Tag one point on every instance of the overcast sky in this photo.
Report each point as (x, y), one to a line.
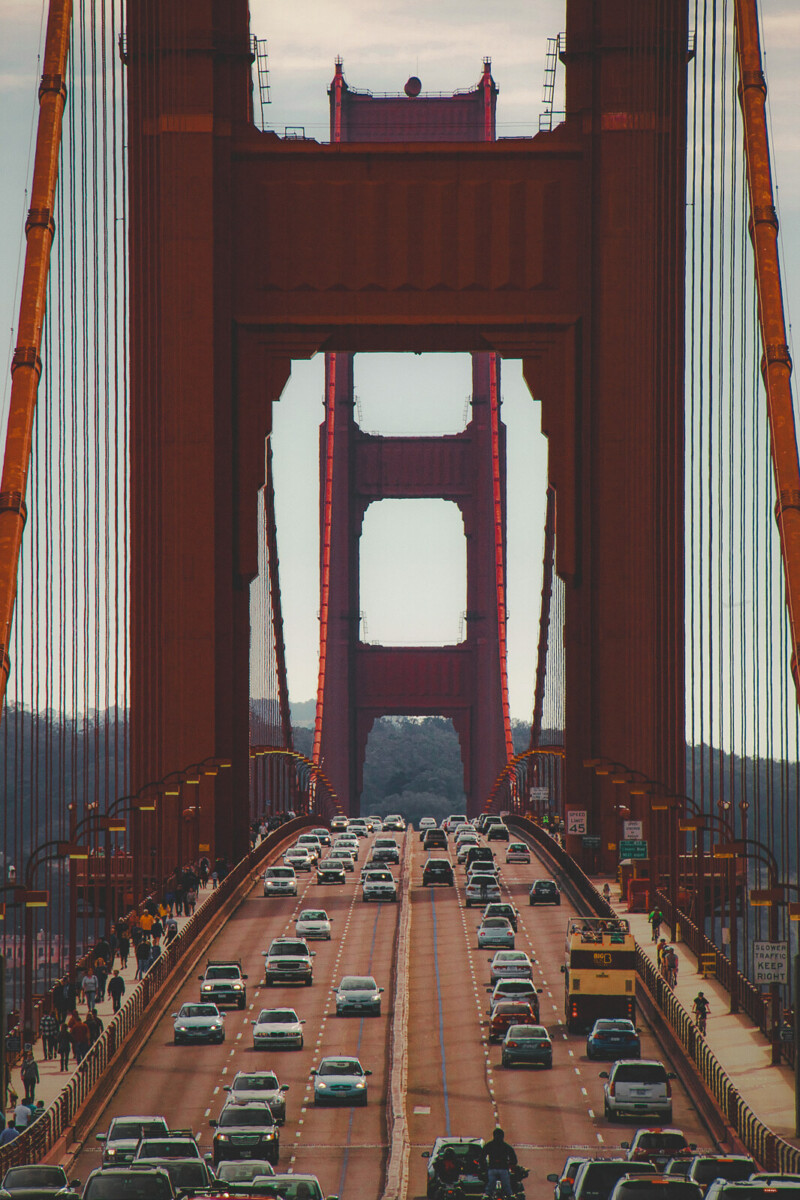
(382, 43)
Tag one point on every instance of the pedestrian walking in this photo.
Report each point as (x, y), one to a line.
(190, 902)
(65, 997)
(10, 1131)
(157, 931)
(64, 1046)
(214, 880)
(101, 971)
(142, 957)
(30, 1077)
(80, 1040)
(94, 1025)
(116, 990)
(124, 949)
(22, 1115)
(146, 921)
(171, 930)
(155, 955)
(48, 1028)
(90, 987)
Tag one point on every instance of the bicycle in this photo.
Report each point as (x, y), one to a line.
(702, 1017)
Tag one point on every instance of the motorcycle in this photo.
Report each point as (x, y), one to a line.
(518, 1174)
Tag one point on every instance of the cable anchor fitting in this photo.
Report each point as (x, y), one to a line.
(14, 502)
(26, 356)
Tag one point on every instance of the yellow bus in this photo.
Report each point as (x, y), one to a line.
(599, 972)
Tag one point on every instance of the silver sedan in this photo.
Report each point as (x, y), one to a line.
(495, 931)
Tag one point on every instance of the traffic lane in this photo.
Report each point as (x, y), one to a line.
(185, 1084)
(345, 1146)
(544, 932)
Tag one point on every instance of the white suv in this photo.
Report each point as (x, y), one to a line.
(638, 1087)
(378, 884)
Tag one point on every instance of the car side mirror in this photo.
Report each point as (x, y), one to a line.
(692, 1145)
(539, 991)
(625, 1145)
(603, 1075)
(368, 1072)
(74, 1183)
(101, 1137)
(208, 1157)
(313, 1071)
(380, 989)
(201, 977)
(213, 1124)
(552, 1178)
(227, 1087)
(563, 969)
(425, 1154)
(303, 1021)
(245, 977)
(264, 953)
(284, 1087)
(253, 1022)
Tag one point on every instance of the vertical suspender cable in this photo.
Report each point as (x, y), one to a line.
(26, 363)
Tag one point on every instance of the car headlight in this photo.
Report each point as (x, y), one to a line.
(221, 1137)
(362, 1083)
(270, 1135)
(110, 1151)
(237, 987)
(322, 1086)
(182, 1028)
(206, 987)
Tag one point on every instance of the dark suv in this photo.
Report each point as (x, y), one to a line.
(435, 839)
(246, 1131)
(544, 891)
(478, 854)
(437, 870)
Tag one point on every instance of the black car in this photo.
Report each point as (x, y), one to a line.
(437, 870)
(501, 909)
(497, 832)
(478, 854)
(434, 839)
(544, 891)
(38, 1183)
(126, 1183)
(330, 870)
(246, 1131)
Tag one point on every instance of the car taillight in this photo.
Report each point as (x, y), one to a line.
(575, 1008)
(669, 1088)
(611, 1089)
(512, 1043)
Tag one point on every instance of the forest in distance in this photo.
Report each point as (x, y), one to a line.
(413, 764)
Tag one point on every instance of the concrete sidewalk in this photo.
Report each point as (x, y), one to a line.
(740, 1047)
(52, 1078)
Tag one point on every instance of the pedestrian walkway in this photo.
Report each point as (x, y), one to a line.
(51, 1078)
(739, 1046)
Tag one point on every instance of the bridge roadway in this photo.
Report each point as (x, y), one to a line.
(455, 1083)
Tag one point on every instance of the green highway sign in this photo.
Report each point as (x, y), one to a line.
(631, 849)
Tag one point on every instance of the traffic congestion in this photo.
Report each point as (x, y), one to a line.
(510, 1026)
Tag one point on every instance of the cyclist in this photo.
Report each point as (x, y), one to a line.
(661, 950)
(671, 966)
(499, 1158)
(655, 918)
(701, 1008)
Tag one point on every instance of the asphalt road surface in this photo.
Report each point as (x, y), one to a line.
(455, 1082)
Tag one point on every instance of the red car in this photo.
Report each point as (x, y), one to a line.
(509, 1012)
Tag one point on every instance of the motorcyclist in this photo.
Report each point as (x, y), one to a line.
(446, 1167)
(499, 1158)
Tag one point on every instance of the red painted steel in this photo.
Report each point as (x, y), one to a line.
(565, 250)
(776, 365)
(26, 364)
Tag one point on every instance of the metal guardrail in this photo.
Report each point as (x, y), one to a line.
(35, 1142)
(773, 1152)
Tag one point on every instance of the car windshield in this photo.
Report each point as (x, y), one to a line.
(378, 877)
(358, 983)
(511, 956)
(233, 1171)
(168, 1148)
(340, 1066)
(649, 1189)
(222, 972)
(255, 1083)
(133, 1130)
(237, 1114)
(620, 1026)
(481, 878)
(516, 987)
(279, 948)
(33, 1177)
(187, 1174)
(297, 1187)
(713, 1168)
(279, 873)
(385, 843)
(531, 1033)
(313, 914)
(188, 1010)
(661, 1141)
(496, 923)
(463, 1150)
(135, 1185)
(640, 1073)
(277, 1016)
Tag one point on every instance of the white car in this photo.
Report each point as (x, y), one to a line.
(495, 931)
(277, 1029)
(280, 881)
(484, 867)
(518, 852)
(510, 964)
(426, 823)
(339, 822)
(359, 827)
(259, 1085)
(378, 884)
(463, 847)
(297, 859)
(313, 923)
(481, 888)
(454, 820)
(345, 856)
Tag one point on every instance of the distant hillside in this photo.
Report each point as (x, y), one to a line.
(303, 713)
